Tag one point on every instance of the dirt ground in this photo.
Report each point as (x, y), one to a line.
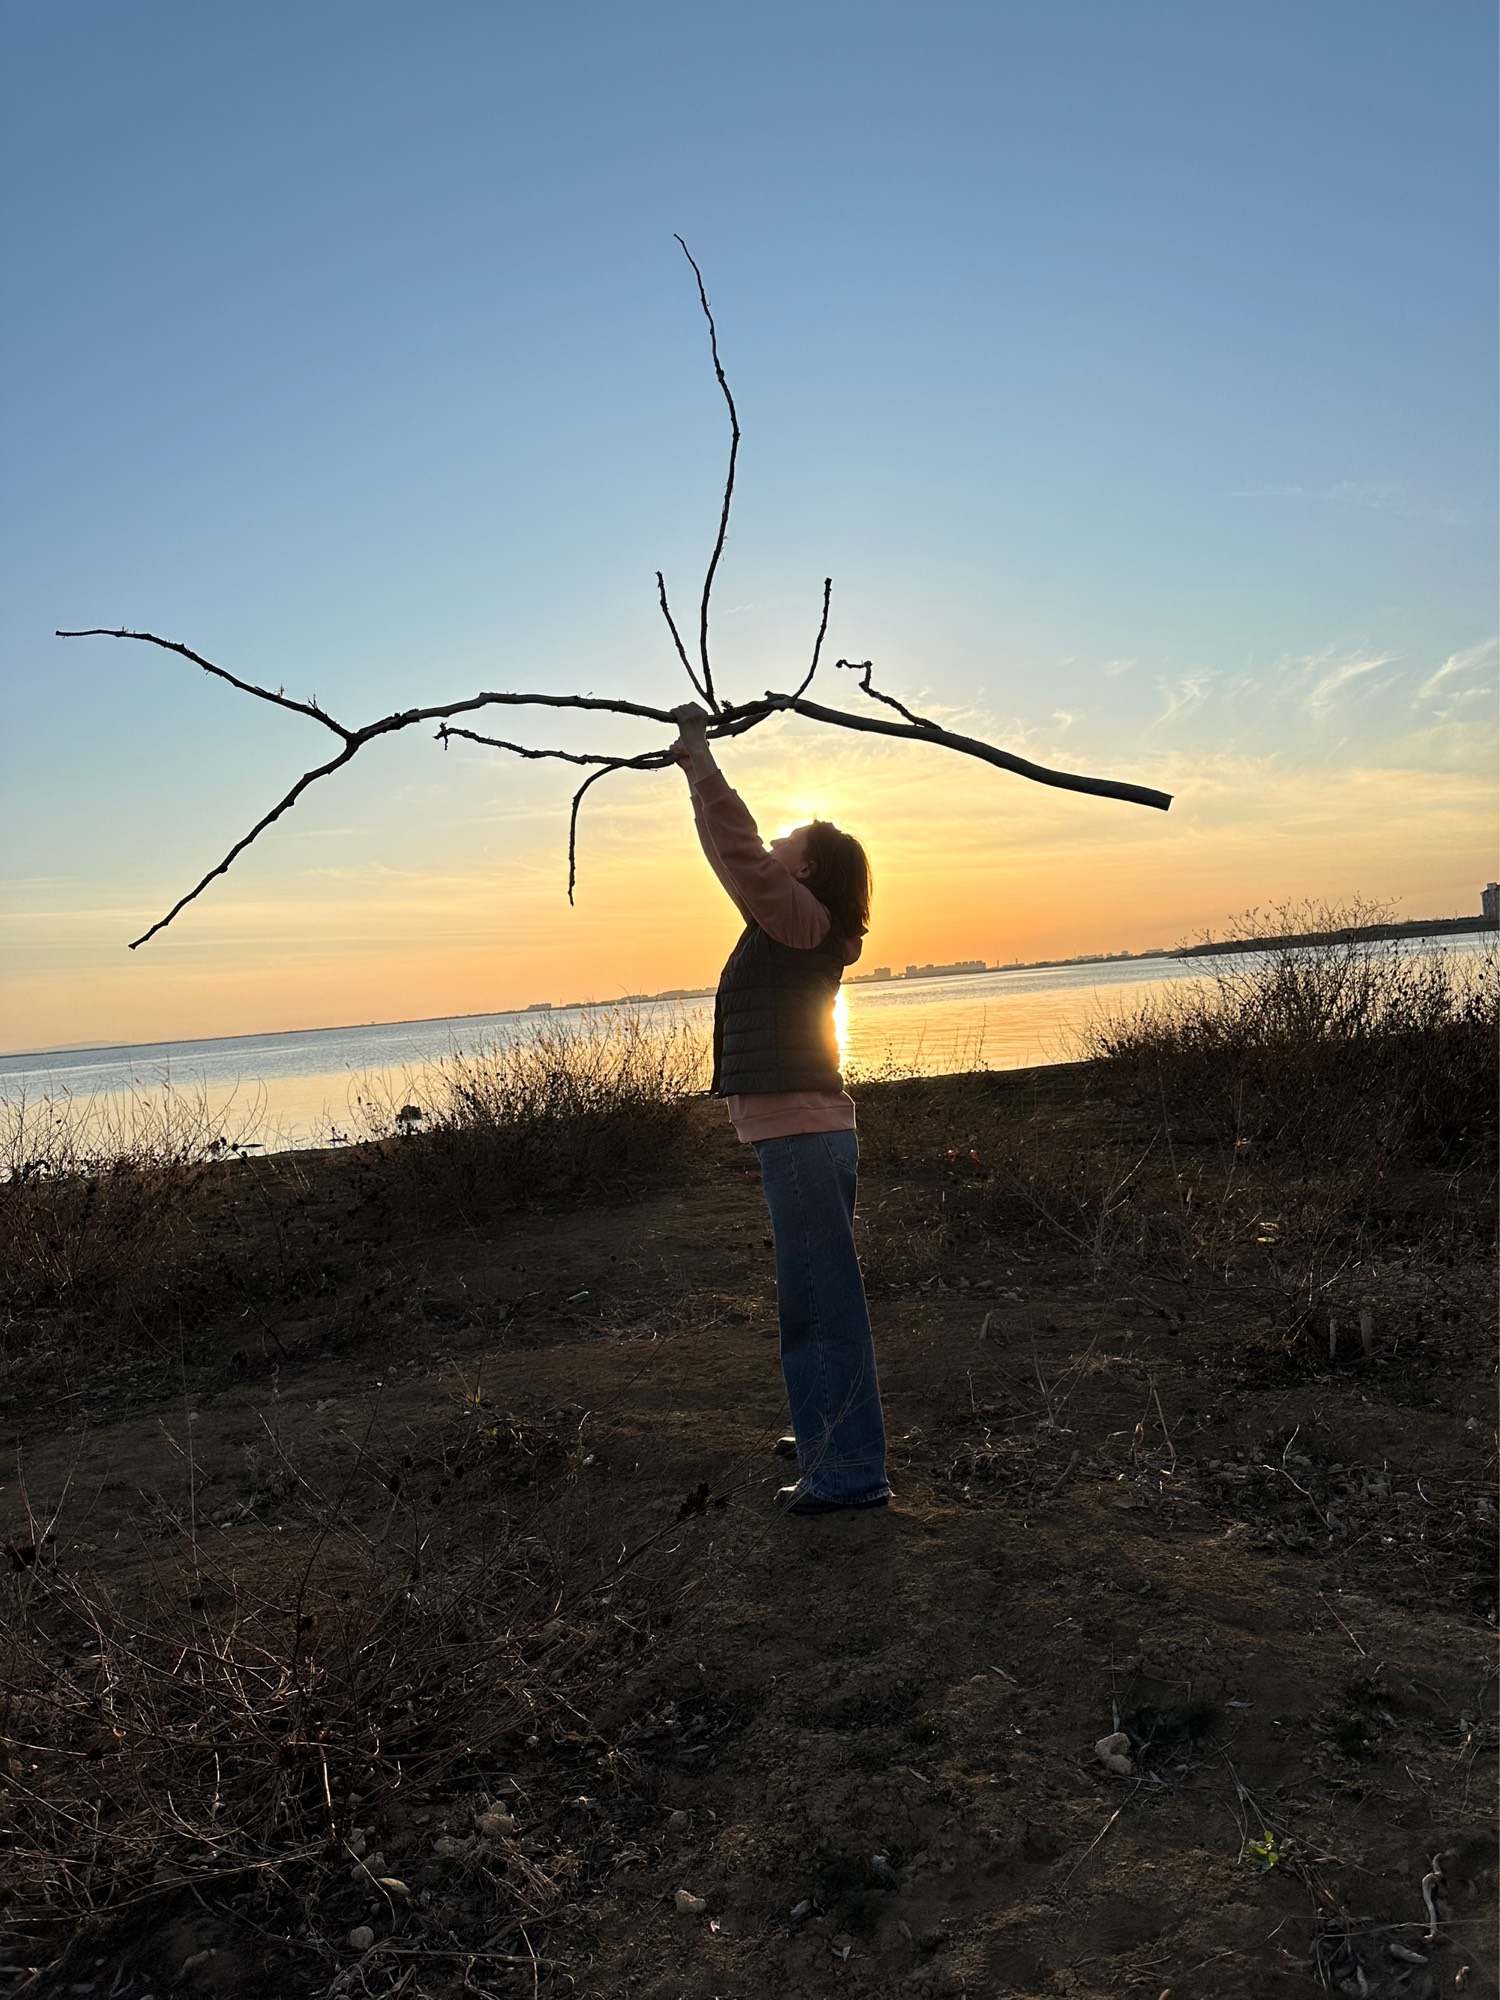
(763, 1758)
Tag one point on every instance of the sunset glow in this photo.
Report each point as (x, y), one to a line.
(1118, 510)
(841, 1024)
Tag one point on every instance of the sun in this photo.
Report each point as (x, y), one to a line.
(841, 1025)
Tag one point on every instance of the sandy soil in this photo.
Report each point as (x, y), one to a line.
(863, 1749)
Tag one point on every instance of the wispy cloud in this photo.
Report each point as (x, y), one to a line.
(1371, 495)
(1180, 697)
(1480, 659)
(1341, 675)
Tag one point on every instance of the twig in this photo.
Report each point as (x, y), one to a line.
(1059, 1483)
(1354, 1642)
(1161, 1419)
(807, 678)
(666, 612)
(864, 668)
(1430, 1883)
(657, 758)
(734, 452)
(1049, 1421)
(1095, 1841)
(1296, 1484)
(653, 760)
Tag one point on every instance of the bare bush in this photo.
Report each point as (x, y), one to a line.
(126, 1225)
(1326, 1048)
(101, 1199)
(1263, 1145)
(571, 1106)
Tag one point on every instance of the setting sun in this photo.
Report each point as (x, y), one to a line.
(841, 1024)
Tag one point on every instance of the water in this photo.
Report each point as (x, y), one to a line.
(299, 1088)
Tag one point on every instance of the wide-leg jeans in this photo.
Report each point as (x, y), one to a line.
(827, 1355)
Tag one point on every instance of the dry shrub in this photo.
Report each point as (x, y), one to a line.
(1326, 1048)
(1279, 1127)
(1271, 1146)
(101, 1200)
(121, 1216)
(570, 1107)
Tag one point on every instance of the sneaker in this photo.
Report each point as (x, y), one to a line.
(785, 1447)
(804, 1505)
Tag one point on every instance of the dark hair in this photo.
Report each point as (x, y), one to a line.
(838, 873)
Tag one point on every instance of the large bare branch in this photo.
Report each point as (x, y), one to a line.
(732, 720)
(728, 720)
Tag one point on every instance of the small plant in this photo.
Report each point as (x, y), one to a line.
(1269, 1852)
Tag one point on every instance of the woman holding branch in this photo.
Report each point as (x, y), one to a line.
(806, 905)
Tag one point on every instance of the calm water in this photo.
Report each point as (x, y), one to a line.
(299, 1088)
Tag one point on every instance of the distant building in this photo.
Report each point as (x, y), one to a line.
(1489, 902)
(930, 971)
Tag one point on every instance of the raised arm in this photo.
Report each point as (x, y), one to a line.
(760, 887)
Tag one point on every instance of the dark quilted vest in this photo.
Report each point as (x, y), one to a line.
(773, 1017)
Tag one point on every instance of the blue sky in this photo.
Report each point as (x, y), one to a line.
(1130, 369)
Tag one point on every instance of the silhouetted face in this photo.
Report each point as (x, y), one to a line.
(790, 850)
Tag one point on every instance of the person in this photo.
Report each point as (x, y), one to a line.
(805, 901)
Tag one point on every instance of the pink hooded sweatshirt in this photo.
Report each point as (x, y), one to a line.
(787, 910)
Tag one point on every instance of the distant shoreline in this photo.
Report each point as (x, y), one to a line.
(1356, 934)
(1363, 933)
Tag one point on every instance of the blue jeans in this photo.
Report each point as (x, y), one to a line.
(827, 1355)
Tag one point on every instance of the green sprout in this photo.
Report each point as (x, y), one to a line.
(1264, 1854)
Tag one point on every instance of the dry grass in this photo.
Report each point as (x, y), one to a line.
(571, 1107)
(1324, 1049)
(1284, 1145)
(406, 1647)
(254, 1707)
(102, 1200)
(146, 1215)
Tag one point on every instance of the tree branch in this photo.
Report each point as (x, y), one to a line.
(734, 452)
(687, 666)
(732, 720)
(280, 699)
(285, 805)
(973, 746)
(807, 678)
(864, 669)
